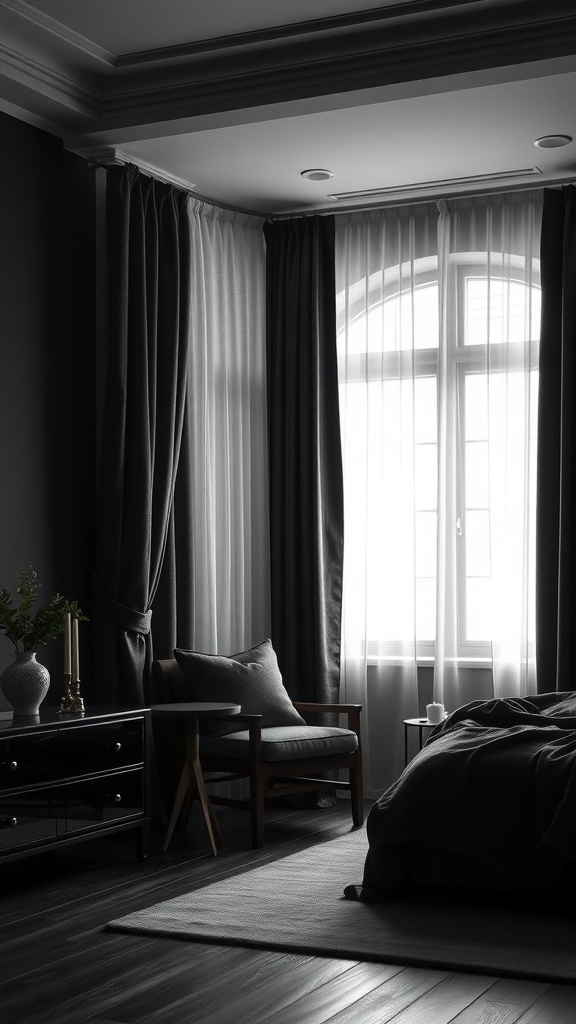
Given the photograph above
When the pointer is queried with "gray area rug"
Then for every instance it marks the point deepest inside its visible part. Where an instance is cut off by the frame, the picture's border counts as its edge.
(296, 904)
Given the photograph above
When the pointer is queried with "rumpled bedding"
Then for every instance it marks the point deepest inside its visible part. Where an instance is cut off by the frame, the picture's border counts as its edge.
(488, 803)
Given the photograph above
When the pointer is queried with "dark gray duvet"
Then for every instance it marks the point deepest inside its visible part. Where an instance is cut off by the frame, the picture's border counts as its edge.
(489, 803)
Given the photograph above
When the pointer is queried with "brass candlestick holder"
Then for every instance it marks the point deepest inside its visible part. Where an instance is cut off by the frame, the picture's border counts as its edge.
(72, 703)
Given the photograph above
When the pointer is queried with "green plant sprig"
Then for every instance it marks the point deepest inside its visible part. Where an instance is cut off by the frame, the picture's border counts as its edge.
(28, 629)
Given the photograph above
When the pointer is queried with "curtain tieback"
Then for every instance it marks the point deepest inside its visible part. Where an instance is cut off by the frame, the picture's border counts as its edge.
(124, 617)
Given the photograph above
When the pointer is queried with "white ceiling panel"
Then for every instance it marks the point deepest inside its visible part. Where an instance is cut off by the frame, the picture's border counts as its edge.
(434, 137)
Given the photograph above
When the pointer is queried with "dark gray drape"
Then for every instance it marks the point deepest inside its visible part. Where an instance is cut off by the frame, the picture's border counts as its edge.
(556, 500)
(148, 248)
(305, 464)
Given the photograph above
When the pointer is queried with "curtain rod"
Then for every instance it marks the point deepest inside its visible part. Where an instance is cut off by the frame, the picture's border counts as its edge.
(420, 201)
(102, 161)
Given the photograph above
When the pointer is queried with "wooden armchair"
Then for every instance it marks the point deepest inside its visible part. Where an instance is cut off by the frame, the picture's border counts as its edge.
(278, 761)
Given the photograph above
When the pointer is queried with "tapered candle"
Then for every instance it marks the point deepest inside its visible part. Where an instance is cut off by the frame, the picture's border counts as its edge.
(67, 644)
(75, 652)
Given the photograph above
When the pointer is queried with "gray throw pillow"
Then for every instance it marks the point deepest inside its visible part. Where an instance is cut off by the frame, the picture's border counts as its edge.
(250, 678)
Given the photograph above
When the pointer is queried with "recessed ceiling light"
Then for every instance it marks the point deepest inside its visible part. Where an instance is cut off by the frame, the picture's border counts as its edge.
(317, 174)
(553, 141)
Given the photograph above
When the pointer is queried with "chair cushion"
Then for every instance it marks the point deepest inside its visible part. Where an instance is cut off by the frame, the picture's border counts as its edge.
(287, 743)
(251, 679)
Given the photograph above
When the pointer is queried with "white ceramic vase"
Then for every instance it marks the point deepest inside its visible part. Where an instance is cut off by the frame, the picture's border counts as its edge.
(25, 683)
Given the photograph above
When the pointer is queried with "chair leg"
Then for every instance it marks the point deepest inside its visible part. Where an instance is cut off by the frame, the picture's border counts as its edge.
(257, 807)
(357, 795)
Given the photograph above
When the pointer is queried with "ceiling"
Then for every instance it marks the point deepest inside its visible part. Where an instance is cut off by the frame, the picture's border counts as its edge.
(233, 99)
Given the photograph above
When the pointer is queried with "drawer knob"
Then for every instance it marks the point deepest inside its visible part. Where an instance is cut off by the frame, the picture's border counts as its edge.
(8, 822)
(114, 798)
(9, 766)
(116, 747)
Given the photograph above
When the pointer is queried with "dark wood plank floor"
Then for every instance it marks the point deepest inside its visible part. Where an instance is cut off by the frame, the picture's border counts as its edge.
(59, 966)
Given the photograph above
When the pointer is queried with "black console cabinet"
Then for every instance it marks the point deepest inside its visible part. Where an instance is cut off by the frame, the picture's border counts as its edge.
(67, 778)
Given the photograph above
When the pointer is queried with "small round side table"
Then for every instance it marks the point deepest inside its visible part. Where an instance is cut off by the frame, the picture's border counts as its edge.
(191, 769)
(420, 723)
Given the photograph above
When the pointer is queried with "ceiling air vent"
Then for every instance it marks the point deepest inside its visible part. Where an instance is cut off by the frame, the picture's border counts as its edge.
(435, 186)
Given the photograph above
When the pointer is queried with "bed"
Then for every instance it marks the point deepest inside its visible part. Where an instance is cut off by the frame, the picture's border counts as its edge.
(488, 803)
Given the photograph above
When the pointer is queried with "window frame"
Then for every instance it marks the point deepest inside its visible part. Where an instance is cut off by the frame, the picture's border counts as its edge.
(367, 366)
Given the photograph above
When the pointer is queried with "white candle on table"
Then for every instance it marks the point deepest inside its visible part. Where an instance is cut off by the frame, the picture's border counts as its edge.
(75, 653)
(435, 712)
(67, 642)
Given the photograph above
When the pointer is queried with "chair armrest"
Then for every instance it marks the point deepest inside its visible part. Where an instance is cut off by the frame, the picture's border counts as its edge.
(254, 735)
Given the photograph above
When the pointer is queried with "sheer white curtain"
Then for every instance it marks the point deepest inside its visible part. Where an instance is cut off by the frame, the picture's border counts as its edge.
(381, 257)
(488, 405)
(437, 338)
(226, 412)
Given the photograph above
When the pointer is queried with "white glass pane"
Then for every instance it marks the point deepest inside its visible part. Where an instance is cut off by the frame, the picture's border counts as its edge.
(426, 530)
(405, 326)
(478, 543)
(425, 310)
(414, 316)
(354, 339)
(390, 609)
(496, 404)
(478, 610)
(426, 473)
(501, 311)
(377, 613)
(377, 339)
(403, 411)
(425, 412)
(476, 312)
(475, 407)
(477, 477)
(390, 326)
(504, 404)
(425, 610)
(384, 405)
(402, 322)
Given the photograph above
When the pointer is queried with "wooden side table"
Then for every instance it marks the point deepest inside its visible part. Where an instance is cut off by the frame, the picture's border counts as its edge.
(191, 774)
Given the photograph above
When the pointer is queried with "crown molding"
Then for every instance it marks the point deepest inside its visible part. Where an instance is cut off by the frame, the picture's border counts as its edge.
(319, 27)
(88, 89)
(53, 86)
(415, 51)
(62, 32)
(109, 156)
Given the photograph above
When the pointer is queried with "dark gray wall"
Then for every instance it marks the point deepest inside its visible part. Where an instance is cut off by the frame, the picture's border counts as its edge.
(47, 371)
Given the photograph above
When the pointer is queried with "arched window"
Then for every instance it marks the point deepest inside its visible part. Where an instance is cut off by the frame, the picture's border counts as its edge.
(413, 338)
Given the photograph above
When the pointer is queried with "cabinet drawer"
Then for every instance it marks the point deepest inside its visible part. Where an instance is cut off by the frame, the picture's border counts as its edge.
(28, 818)
(102, 800)
(100, 748)
(27, 760)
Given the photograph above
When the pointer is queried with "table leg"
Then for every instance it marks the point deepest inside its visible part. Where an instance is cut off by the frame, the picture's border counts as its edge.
(183, 786)
(192, 775)
(405, 745)
(207, 809)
